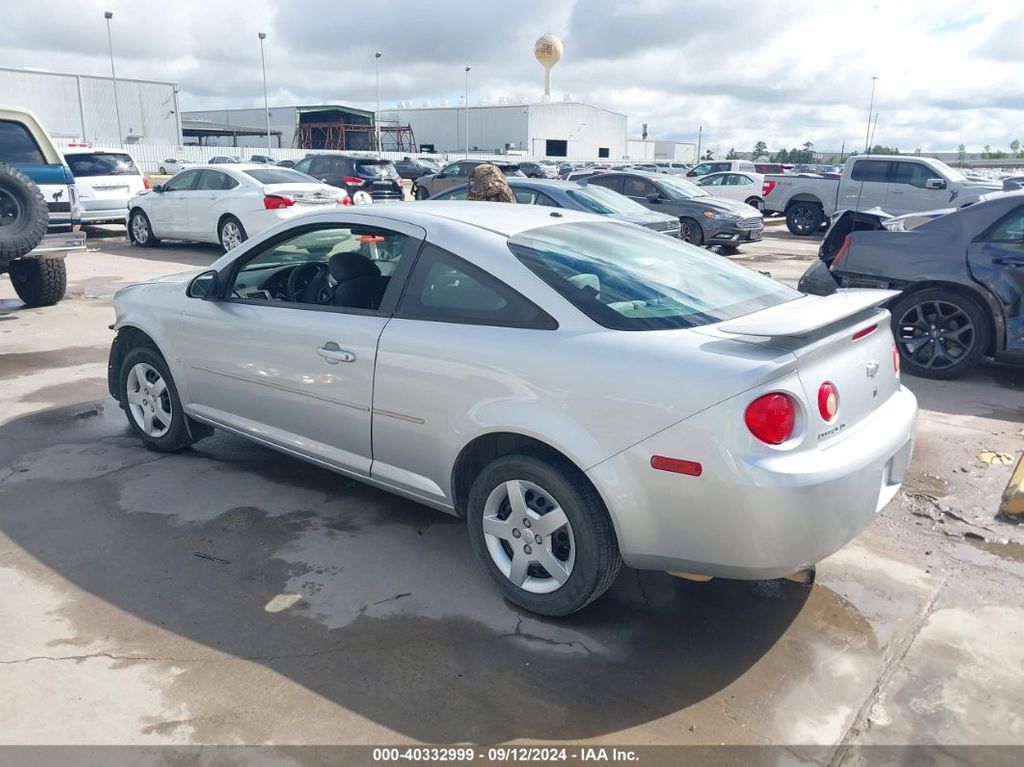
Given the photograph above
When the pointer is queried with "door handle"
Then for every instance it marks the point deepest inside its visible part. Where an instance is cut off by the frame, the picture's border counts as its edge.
(333, 354)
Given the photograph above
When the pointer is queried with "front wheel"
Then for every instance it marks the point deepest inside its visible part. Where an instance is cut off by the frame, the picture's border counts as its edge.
(940, 334)
(690, 231)
(141, 230)
(804, 218)
(150, 400)
(232, 233)
(39, 281)
(542, 533)
(421, 193)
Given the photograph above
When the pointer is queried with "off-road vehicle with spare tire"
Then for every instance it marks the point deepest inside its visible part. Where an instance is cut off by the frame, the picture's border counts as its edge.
(39, 210)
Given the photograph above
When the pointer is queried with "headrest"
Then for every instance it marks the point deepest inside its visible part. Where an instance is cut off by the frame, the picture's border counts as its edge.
(348, 265)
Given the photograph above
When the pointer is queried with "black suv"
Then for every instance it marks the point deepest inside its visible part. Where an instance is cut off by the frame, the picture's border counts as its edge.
(355, 173)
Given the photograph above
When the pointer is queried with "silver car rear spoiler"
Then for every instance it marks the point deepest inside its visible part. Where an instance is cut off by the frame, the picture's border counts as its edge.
(804, 315)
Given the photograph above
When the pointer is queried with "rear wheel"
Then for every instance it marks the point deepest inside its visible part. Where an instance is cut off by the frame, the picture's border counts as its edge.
(232, 233)
(421, 193)
(940, 334)
(542, 534)
(756, 203)
(691, 232)
(804, 218)
(163, 171)
(39, 281)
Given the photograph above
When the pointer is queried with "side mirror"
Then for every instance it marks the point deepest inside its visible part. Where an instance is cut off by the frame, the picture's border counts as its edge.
(935, 183)
(205, 286)
(654, 197)
(159, 188)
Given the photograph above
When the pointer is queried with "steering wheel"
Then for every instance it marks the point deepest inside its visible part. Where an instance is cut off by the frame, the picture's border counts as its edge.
(307, 284)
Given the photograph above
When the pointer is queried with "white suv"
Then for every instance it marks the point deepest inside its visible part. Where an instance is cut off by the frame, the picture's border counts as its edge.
(721, 166)
(106, 180)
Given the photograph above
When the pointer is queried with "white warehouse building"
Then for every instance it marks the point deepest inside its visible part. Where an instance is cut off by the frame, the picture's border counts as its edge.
(566, 129)
(76, 108)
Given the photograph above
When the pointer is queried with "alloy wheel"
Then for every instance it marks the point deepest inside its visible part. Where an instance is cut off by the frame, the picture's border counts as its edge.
(231, 235)
(140, 229)
(528, 536)
(936, 334)
(803, 219)
(149, 402)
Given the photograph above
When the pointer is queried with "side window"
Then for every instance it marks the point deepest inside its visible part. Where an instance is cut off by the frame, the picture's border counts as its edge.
(637, 187)
(459, 193)
(348, 267)
(543, 199)
(319, 166)
(214, 180)
(712, 181)
(183, 181)
(609, 182)
(444, 288)
(912, 173)
(1008, 229)
(302, 166)
(525, 196)
(870, 170)
(720, 167)
(17, 144)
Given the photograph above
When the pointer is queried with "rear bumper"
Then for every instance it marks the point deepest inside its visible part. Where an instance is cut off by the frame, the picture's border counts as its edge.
(753, 517)
(56, 244)
(116, 214)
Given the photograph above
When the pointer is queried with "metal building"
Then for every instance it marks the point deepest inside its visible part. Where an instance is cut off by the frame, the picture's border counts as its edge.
(567, 129)
(324, 126)
(650, 149)
(81, 107)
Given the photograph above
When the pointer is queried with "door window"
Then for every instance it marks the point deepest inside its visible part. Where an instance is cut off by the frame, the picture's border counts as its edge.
(870, 170)
(533, 197)
(719, 167)
(609, 182)
(214, 180)
(183, 181)
(345, 267)
(638, 187)
(1008, 229)
(712, 181)
(303, 166)
(912, 173)
(738, 179)
(444, 288)
(17, 144)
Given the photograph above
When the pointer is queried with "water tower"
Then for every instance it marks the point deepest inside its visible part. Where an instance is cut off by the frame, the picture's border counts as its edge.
(548, 50)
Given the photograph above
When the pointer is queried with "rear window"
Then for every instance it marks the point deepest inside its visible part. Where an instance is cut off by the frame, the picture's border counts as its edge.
(17, 144)
(627, 278)
(376, 169)
(101, 164)
(279, 176)
(599, 199)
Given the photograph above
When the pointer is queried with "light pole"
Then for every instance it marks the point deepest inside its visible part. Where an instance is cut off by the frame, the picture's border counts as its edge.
(376, 115)
(108, 15)
(467, 112)
(266, 102)
(871, 108)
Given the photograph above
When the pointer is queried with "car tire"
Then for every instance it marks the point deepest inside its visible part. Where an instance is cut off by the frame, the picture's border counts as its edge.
(583, 553)
(690, 231)
(804, 218)
(150, 401)
(940, 333)
(39, 281)
(756, 203)
(421, 193)
(231, 233)
(140, 230)
(728, 250)
(163, 171)
(24, 212)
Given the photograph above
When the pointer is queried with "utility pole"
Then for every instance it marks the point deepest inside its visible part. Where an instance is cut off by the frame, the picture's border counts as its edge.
(376, 115)
(113, 76)
(871, 108)
(266, 102)
(467, 112)
(700, 132)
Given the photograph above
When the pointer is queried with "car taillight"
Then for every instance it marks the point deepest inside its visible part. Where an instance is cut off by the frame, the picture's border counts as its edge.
(145, 182)
(828, 401)
(276, 202)
(353, 181)
(767, 186)
(771, 418)
(896, 360)
(841, 253)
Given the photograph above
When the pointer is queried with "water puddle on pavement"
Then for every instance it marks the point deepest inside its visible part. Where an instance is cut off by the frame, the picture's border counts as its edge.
(1004, 556)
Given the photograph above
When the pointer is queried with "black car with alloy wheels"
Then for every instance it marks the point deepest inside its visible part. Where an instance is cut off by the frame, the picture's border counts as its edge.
(961, 274)
(355, 173)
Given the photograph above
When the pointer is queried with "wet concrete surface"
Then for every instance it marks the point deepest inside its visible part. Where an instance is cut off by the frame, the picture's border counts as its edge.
(228, 594)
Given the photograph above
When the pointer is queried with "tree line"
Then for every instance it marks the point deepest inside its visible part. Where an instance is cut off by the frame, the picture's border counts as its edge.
(807, 154)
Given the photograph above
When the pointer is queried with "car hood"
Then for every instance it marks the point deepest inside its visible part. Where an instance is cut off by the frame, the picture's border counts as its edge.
(178, 278)
(644, 219)
(724, 205)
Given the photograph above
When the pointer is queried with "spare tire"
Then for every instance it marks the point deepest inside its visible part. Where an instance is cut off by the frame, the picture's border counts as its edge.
(23, 213)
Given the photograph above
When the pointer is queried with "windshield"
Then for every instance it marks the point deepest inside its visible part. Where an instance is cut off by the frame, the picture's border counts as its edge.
(280, 176)
(605, 201)
(681, 189)
(101, 164)
(627, 278)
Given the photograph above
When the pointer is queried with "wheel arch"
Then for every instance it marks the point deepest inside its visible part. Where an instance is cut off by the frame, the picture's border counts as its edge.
(990, 307)
(804, 197)
(126, 338)
(224, 217)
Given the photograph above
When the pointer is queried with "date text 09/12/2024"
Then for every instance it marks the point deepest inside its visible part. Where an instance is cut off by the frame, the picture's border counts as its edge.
(506, 754)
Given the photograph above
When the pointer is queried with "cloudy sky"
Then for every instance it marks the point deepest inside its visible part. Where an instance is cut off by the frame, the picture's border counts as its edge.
(782, 71)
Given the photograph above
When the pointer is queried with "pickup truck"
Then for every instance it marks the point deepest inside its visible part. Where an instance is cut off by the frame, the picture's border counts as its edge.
(40, 215)
(898, 184)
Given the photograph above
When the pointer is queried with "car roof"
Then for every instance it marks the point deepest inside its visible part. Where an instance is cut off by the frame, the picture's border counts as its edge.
(242, 166)
(94, 150)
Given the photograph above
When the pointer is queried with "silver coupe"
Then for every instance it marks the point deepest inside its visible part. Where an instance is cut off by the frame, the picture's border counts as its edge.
(584, 392)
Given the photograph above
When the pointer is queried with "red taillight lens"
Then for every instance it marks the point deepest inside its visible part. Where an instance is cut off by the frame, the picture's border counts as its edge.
(841, 254)
(145, 182)
(676, 466)
(767, 186)
(828, 401)
(864, 332)
(276, 202)
(896, 359)
(353, 181)
(771, 418)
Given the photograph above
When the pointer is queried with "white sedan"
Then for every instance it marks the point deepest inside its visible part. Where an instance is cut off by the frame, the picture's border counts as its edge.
(170, 166)
(225, 204)
(744, 187)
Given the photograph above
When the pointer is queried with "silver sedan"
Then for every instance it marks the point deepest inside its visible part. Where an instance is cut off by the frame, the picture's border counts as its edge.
(585, 393)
